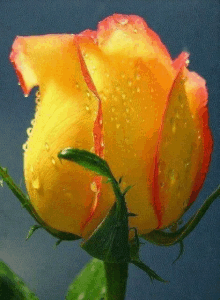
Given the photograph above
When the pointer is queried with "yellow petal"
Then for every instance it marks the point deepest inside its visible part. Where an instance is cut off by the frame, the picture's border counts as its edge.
(61, 192)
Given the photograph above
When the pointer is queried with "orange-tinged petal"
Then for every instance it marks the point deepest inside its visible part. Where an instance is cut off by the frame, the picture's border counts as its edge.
(180, 150)
(198, 99)
(61, 192)
(133, 75)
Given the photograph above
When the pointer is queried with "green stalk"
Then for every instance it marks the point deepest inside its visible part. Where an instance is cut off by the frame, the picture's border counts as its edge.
(116, 280)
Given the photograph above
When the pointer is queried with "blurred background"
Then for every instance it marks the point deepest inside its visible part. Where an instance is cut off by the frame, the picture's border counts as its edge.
(192, 25)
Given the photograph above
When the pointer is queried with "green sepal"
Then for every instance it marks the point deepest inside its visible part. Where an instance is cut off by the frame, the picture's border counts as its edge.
(180, 251)
(109, 241)
(12, 286)
(86, 159)
(163, 238)
(25, 202)
(127, 189)
(32, 230)
(134, 252)
(152, 274)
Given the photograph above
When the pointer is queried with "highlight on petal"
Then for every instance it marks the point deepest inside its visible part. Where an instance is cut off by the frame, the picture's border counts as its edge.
(180, 153)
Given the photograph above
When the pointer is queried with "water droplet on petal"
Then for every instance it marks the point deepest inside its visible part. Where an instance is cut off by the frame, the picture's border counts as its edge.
(135, 30)
(29, 130)
(123, 22)
(87, 107)
(46, 146)
(113, 109)
(88, 94)
(26, 95)
(53, 161)
(25, 146)
(36, 183)
(118, 125)
(129, 83)
(93, 187)
(33, 122)
(138, 90)
(138, 77)
(127, 110)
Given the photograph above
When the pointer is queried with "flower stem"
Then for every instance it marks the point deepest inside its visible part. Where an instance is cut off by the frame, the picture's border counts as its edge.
(116, 280)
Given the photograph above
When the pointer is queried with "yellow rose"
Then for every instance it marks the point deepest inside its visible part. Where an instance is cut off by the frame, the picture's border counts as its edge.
(116, 92)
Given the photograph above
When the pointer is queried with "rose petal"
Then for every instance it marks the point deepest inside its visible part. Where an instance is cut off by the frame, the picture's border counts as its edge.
(61, 192)
(180, 150)
(133, 75)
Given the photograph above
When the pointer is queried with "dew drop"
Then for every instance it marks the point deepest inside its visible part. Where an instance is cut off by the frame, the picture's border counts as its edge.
(87, 107)
(138, 90)
(92, 150)
(177, 115)
(162, 184)
(113, 109)
(123, 22)
(77, 85)
(174, 128)
(123, 96)
(173, 176)
(103, 290)
(127, 110)
(46, 146)
(93, 187)
(117, 88)
(26, 95)
(33, 122)
(138, 77)
(135, 30)
(100, 122)
(81, 296)
(122, 75)
(129, 83)
(37, 94)
(25, 146)
(53, 161)
(118, 125)
(19, 83)
(88, 94)
(29, 130)
(36, 183)
(199, 137)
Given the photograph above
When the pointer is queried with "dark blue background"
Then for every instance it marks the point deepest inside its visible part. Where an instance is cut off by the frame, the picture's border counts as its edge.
(191, 24)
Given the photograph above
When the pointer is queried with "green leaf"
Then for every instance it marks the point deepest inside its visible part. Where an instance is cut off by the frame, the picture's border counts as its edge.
(86, 159)
(13, 287)
(90, 283)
